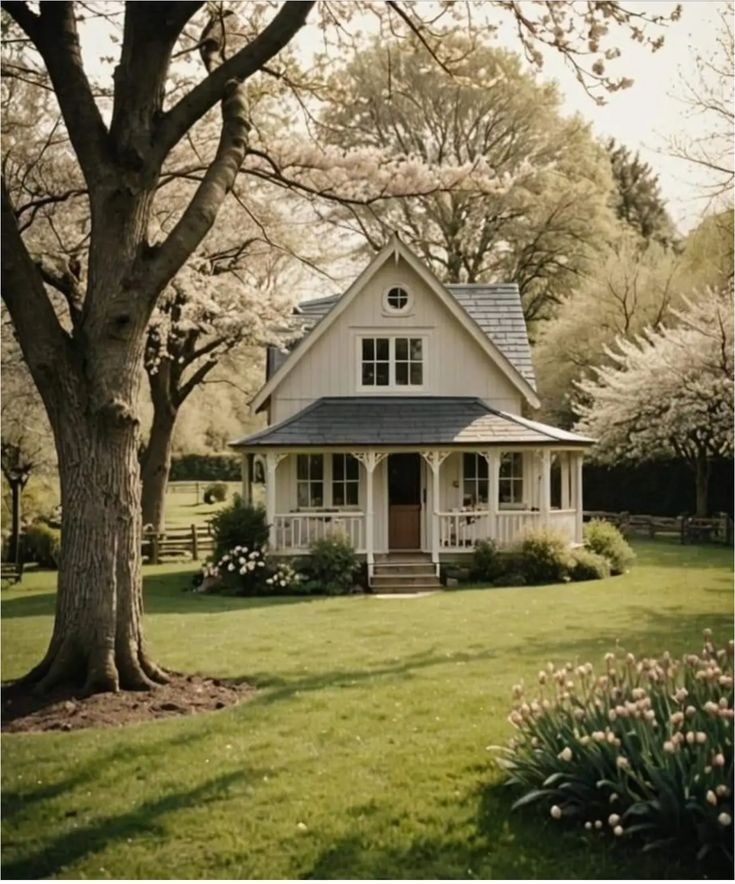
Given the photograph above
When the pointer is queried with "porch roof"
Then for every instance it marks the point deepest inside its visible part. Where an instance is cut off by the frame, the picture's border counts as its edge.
(370, 421)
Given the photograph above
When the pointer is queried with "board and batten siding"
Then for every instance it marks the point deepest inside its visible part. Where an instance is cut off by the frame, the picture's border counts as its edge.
(454, 363)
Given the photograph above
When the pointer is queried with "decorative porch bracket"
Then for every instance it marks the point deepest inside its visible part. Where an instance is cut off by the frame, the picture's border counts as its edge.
(272, 459)
(370, 460)
(434, 460)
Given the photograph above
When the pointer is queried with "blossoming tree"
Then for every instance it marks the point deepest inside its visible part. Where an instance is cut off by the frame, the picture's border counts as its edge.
(668, 393)
(85, 351)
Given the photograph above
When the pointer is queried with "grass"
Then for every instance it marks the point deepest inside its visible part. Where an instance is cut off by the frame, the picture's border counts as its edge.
(364, 754)
(184, 508)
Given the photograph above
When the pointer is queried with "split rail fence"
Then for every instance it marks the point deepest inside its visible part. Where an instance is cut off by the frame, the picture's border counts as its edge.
(689, 529)
(193, 541)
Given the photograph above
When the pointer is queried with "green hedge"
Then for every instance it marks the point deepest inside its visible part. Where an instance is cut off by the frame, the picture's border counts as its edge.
(205, 468)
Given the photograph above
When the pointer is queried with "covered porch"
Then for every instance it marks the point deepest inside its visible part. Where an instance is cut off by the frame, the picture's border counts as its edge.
(439, 499)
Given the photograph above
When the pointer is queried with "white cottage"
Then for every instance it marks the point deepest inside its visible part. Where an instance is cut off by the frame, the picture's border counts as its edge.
(397, 420)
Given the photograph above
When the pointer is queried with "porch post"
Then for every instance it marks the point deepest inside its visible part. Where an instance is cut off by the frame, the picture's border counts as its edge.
(272, 459)
(492, 456)
(435, 459)
(370, 460)
(545, 502)
(578, 498)
(565, 466)
(245, 473)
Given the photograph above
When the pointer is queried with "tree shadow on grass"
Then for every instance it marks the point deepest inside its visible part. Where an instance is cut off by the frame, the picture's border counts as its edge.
(71, 846)
(274, 688)
(497, 844)
(162, 594)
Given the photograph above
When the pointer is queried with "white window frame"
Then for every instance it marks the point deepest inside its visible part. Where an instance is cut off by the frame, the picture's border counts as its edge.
(328, 490)
(309, 481)
(392, 386)
(515, 479)
(406, 310)
(476, 479)
(344, 481)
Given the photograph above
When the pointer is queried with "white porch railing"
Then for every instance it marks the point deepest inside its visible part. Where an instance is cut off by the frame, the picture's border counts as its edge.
(462, 530)
(295, 532)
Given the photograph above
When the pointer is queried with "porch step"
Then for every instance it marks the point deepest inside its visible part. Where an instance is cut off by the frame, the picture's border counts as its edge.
(406, 580)
(406, 590)
(409, 568)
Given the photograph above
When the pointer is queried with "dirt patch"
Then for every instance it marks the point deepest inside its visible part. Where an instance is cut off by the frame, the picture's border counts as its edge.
(63, 710)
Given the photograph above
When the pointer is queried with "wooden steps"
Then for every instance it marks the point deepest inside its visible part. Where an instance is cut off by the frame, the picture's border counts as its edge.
(404, 573)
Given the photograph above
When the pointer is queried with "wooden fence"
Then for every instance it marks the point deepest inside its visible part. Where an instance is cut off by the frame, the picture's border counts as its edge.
(194, 542)
(718, 529)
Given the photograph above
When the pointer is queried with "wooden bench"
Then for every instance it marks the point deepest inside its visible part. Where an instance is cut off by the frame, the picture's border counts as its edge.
(12, 572)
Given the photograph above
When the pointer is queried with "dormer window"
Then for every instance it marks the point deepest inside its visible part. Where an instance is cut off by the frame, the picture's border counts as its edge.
(397, 299)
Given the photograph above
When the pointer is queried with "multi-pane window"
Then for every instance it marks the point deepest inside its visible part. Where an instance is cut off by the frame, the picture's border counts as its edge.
(397, 298)
(376, 362)
(474, 480)
(310, 480)
(510, 484)
(409, 362)
(392, 362)
(345, 480)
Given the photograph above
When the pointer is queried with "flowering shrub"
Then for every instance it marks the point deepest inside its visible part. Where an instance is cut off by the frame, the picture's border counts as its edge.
(606, 540)
(248, 572)
(643, 751)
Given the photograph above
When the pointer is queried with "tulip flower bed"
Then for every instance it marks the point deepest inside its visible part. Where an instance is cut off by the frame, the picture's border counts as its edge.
(643, 751)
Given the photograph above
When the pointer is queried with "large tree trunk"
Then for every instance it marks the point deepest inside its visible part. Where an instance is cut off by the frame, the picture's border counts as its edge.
(702, 483)
(97, 642)
(156, 465)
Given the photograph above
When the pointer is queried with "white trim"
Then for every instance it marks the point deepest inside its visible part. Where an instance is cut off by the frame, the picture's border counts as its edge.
(392, 387)
(397, 249)
(406, 310)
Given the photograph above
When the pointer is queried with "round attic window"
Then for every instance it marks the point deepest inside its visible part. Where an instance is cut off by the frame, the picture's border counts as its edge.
(397, 298)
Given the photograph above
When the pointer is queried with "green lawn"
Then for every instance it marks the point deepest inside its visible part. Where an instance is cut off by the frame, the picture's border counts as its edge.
(364, 755)
(185, 508)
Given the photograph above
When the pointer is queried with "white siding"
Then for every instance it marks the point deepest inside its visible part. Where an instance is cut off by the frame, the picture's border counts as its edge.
(455, 364)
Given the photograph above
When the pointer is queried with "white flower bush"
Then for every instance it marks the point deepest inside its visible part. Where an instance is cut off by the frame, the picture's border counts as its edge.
(248, 572)
(643, 750)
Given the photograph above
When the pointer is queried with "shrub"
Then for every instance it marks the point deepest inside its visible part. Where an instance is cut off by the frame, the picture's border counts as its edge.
(215, 492)
(245, 571)
(486, 564)
(544, 556)
(331, 566)
(643, 751)
(238, 525)
(586, 565)
(41, 544)
(606, 540)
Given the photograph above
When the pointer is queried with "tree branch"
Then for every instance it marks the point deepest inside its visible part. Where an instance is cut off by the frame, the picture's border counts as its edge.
(54, 34)
(42, 339)
(182, 116)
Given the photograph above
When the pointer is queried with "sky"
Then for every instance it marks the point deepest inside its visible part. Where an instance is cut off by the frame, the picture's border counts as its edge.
(644, 117)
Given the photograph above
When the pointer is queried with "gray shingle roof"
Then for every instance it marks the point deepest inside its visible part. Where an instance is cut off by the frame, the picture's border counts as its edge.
(404, 420)
(495, 308)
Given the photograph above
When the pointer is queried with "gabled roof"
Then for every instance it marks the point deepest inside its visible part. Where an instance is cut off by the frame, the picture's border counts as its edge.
(406, 420)
(496, 308)
(510, 327)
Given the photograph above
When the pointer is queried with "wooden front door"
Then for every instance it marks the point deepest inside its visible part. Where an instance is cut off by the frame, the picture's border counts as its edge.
(404, 501)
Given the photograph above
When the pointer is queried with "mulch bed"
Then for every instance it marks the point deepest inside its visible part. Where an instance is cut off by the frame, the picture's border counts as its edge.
(63, 710)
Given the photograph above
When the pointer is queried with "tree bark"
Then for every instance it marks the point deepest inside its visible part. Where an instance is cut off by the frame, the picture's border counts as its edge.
(97, 642)
(156, 465)
(16, 489)
(702, 484)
